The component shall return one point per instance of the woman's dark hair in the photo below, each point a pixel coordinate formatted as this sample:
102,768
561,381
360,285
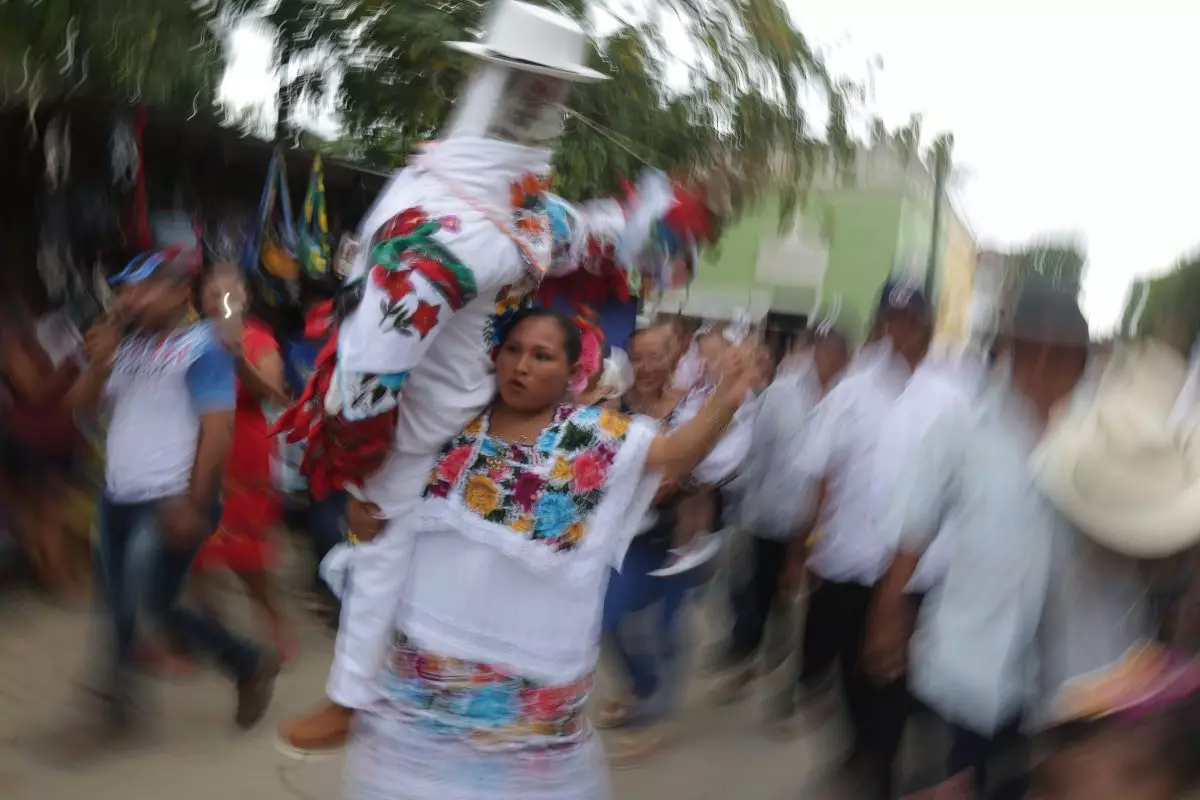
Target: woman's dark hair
640,332
572,338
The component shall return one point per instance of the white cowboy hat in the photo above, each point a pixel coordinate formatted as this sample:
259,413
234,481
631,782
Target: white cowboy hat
534,39
1119,467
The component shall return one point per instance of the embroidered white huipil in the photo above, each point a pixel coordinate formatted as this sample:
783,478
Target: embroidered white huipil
483,592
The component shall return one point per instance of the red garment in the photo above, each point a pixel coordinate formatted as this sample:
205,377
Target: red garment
251,505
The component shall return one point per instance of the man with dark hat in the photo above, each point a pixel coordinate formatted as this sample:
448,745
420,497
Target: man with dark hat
1016,567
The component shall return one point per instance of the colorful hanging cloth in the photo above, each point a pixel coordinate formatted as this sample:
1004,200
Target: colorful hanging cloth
314,227
270,253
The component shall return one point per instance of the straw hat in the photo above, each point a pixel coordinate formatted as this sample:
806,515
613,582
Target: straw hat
534,39
1119,466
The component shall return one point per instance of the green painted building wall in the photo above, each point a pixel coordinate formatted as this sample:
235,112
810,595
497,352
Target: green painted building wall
869,233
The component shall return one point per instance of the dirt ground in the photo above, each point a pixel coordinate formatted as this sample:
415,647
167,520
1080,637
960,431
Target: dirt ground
192,751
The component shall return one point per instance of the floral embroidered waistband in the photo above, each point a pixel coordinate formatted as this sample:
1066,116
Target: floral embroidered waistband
487,706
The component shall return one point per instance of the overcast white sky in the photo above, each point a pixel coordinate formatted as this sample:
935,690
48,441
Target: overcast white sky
1067,117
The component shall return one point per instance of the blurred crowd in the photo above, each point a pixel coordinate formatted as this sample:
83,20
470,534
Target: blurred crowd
880,498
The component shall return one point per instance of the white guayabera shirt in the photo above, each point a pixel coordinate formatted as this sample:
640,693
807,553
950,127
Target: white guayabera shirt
1026,602
840,445
771,502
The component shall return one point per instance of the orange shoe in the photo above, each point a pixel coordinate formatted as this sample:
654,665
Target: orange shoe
322,733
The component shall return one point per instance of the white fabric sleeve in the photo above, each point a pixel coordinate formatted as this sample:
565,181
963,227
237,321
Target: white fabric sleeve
630,491
925,488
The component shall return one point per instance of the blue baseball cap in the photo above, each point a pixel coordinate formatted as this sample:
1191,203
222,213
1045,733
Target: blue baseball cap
165,263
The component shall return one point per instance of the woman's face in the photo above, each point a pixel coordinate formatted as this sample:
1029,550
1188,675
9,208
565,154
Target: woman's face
219,284
532,368
650,355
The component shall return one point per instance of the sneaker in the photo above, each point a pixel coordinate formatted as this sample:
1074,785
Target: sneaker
726,659
321,733
254,691
735,686
637,748
691,556
612,714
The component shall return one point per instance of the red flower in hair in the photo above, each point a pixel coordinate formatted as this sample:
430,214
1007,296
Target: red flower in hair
396,283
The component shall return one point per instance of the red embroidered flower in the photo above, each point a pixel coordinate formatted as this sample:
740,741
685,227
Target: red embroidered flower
403,224
588,473
548,704
395,283
425,318
444,279
454,463
525,491
605,454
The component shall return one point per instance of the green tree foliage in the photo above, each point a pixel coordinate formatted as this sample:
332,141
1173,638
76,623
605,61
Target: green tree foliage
162,52
1167,306
738,121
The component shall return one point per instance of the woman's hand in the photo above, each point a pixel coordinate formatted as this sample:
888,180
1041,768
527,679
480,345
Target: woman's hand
366,521
739,373
101,341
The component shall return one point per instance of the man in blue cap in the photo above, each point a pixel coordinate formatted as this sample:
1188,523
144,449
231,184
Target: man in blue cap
170,386
852,549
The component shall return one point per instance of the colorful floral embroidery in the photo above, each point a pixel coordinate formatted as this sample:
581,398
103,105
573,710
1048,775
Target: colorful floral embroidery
545,491
531,223
484,704
404,245
376,394
509,302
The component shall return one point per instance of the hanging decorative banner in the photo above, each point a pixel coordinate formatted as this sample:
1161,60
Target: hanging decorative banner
314,226
269,255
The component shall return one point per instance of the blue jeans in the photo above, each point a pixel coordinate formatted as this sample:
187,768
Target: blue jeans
649,657
140,570
327,523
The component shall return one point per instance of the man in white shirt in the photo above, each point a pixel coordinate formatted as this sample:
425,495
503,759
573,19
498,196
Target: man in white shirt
1025,603
769,507
852,546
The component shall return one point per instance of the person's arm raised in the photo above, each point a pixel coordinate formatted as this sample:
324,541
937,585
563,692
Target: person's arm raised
100,345
676,453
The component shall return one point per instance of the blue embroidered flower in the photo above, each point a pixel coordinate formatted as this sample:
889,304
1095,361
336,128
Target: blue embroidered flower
547,440
587,416
488,447
561,220
393,380
555,513
487,704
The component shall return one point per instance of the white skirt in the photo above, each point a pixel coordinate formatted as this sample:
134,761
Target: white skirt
390,758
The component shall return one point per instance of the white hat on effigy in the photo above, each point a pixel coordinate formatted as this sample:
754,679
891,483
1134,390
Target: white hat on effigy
534,39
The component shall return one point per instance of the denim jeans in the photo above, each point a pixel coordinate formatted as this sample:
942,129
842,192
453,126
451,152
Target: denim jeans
141,571
649,657
327,523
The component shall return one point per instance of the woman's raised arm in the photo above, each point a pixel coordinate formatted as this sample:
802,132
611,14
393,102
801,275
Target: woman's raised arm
678,452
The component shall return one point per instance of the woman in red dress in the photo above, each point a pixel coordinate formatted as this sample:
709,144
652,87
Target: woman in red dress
252,508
